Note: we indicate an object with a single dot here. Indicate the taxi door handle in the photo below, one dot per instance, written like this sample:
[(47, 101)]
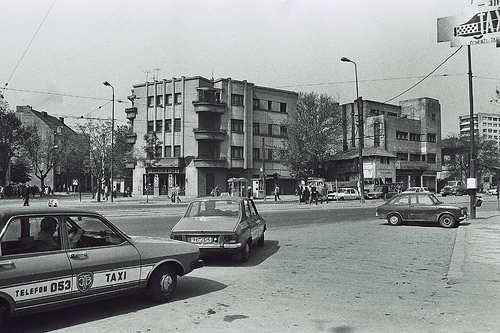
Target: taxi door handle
[(78, 255), (6, 263)]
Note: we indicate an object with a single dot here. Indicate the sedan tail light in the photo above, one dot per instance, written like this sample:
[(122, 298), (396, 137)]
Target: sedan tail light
[(231, 239)]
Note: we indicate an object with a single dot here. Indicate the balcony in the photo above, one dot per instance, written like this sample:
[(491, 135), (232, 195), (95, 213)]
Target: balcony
[(209, 106), (131, 112), (206, 134), (131, 138), (415, 165), (203, 162)]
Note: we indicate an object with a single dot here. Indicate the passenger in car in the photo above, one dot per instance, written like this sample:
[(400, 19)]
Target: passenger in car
[(44, 240)]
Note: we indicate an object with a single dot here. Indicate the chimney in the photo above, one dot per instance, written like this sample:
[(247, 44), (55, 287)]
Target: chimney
[(61, 119), (44, 114)]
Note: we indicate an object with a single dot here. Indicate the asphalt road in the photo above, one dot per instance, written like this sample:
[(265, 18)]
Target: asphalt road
[(326, 268)]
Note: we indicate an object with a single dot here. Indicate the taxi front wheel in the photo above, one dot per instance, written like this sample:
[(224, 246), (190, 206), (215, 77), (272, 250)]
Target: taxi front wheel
[(4, 310), (162, 284)]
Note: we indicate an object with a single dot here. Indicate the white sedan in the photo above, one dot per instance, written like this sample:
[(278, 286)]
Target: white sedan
[(344, 193)]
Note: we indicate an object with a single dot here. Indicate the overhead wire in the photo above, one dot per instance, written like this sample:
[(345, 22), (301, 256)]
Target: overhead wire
[(425, 77), (29, 44)]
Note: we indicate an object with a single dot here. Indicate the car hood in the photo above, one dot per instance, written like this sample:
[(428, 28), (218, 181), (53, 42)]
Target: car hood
[(206, 224), (151, 245)]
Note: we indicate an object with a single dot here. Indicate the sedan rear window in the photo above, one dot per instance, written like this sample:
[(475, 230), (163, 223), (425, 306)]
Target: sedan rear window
[(213, 208)]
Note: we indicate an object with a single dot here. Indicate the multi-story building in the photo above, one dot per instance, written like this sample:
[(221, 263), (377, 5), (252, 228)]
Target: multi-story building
[(209, 131), (401, 143), (486, 126), (51, 130)]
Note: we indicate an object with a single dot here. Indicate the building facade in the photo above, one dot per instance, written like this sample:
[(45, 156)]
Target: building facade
[(51, 131), (209, 132), (401, 143)]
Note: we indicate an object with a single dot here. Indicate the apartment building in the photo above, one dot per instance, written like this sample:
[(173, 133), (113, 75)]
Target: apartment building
[(401, 143), (209, 132), (486, 125), (51, 130)]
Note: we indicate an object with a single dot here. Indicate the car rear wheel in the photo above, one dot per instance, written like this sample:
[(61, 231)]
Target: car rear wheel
[(261, 241), (245, 252), (447, 221), (162, 284), (341, 198), (394, 219)]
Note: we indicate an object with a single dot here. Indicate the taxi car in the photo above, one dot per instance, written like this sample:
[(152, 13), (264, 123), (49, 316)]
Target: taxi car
[(223, 225), (51, 258), (344, 193), (420, 207)]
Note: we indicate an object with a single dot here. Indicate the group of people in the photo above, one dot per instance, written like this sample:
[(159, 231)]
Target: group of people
[(307, 195), (175, 195)]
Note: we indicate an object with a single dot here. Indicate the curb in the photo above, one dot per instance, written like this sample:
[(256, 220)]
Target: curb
[(455, 271)]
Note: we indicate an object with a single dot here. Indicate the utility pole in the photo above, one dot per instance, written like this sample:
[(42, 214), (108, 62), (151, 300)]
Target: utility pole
[(361, 144), (264, 168)]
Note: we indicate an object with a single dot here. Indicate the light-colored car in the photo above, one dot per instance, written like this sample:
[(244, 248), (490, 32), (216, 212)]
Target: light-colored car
[(222, 225), (417, 189), (50, 258), (344, 193), (492, 191), (421, 207)]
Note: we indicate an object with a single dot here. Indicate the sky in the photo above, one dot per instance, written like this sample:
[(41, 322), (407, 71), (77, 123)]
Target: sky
[(55, 55)]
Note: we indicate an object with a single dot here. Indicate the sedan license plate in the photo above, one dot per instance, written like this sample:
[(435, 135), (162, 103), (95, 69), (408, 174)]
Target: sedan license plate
[(201, 239)]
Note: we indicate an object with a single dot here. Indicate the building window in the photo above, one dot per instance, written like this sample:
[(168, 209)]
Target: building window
[(256, 128), (433, 116), (159, 125), (158, 151), (256, 154), (414, 136), (376, 134), (270, 105), (256, 104), (237, 125), (177, 151), (401, 135), (168, 151), (168, 125), (177, 98), (431, 137), (151, 100), (283, 131), (402, 156), (159, 100), (415, 157), (283, 107), (237, 100), (210, 96), (269, 155), (270, 129), (177, 124), (236, 152), (150, 126), (431, 158), (169, 99)]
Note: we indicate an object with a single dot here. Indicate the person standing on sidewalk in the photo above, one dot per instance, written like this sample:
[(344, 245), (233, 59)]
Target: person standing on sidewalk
[(277, 193), (26, 195)]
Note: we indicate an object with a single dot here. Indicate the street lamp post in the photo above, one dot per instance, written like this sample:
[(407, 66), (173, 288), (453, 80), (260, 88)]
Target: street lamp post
[(360, 132), (106, 83)]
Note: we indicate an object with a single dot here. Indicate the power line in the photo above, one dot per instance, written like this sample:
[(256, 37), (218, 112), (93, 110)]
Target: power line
[(369, 80), (29, 44), (425, 77)]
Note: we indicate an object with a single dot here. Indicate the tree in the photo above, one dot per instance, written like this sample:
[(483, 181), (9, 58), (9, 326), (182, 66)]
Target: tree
[(123, 152), (314, 131), (12, 134), (97, 138), (456, 152), (20, 171), (150, 149), (43, 151)]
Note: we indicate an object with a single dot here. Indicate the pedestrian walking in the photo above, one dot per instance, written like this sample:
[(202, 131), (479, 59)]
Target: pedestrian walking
[(26, 195), (277, 193), (249, 192), (314, 195), (177, 194)]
